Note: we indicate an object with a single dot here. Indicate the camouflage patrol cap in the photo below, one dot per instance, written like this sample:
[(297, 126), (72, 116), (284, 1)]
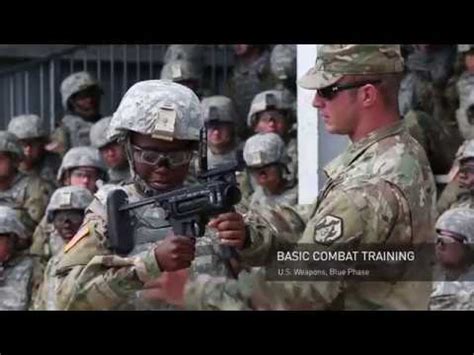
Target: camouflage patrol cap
[(263, 149), (180, 70), (458, 220), (81, 157), (9, 143), (283, 61), (190, 52), (75, 83), (463, 48), (160, 108), (98, 133), (10, 223), (69, 198), (336, 60), (27, 127), (270, 99), (218, 108)]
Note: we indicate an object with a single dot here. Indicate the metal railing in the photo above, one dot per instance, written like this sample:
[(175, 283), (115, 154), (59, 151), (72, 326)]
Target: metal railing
[(33, 87)]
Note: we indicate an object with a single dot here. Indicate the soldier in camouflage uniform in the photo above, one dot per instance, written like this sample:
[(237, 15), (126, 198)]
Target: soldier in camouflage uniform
[(380, 190), (460, 190), (112, 152), (251, 74), (81, 166), (159, 122), (422, 109), (183, 72), (222, 142), (65, 212), (33, 138), (274, 111), (266, 159), (465, 113), (15, 269), (29, 194), (80, 94), (461, 83), (283, 67), (454, 288)]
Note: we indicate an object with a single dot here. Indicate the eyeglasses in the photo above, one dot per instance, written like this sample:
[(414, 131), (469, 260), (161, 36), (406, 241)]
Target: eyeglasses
[(72, 216), (330, 92), (151, 157), (211, 125), (83, 174)]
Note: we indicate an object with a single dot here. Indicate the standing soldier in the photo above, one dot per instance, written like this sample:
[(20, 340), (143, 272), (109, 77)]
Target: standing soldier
[(15, 269), (80, 94), (283, 66), (251, 75), (455, 239), (66, 212), (33, 138), (160, 124), (380, 190), (112, 152)]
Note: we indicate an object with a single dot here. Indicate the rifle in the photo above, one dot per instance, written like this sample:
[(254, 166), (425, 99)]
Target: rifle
[(188, 209)]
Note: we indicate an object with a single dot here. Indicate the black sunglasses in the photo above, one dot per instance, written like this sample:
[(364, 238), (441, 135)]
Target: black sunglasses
[(330, 92)]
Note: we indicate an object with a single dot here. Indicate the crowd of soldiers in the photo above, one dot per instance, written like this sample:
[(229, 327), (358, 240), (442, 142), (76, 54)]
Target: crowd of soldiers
[(54, 248)]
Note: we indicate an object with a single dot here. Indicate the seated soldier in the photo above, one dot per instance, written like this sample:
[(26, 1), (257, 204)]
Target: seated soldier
[(222, 143), (273, 111), (33, 138), (454, 288), (29, 194), (266, 160), (81, 166), (112, 152), (66, 212), (15, 269), (460, 190)]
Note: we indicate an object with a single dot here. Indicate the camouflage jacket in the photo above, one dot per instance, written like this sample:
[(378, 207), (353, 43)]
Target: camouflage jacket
[(248, 80), (72, 132), (261, 199), (30, 194), (381, 190), (454, 295), (15, 284), (435, 137), (116, 176), (44, 299), (47, 169), (91, 277)]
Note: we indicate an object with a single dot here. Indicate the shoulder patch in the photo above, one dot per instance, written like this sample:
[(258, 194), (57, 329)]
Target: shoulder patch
[(83, 232), (328, 229)]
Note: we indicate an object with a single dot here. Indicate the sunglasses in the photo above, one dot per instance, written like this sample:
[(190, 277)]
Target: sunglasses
[(330, 92), (444, 239)]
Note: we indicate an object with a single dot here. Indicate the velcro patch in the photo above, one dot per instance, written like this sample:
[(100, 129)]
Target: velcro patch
[(328, 229), (83, 232)]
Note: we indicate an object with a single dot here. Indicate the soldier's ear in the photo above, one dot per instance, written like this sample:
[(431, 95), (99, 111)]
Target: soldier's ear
[(369, 95)]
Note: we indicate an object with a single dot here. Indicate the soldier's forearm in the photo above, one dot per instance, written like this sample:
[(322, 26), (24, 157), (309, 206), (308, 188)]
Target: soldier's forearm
[(106, 281)]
